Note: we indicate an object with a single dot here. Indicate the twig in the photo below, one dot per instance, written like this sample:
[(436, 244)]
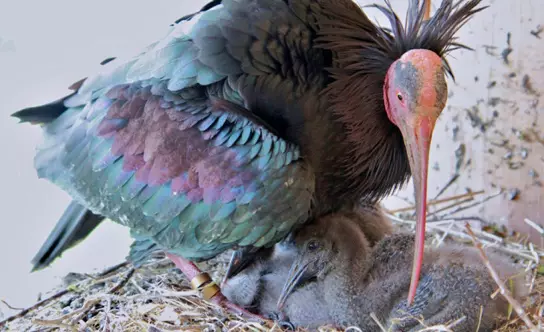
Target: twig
[(102, 276), (55, 323), (462, 208), (83, 311), (470, 194), (445, 328), (534, 225), (35, 306), (444, 235), (451, 206), (9, 306), (533, 278), (135, 284), (377, 321), (112, 269), (123, 281), (437, 226), (443, 200), (475, 218), (59, 321), (504, 291), (480, 318), (63, 292), (447, 185)]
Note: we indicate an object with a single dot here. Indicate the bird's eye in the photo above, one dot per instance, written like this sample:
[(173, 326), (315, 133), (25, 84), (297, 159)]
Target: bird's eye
[(313, 245), (399, 96)]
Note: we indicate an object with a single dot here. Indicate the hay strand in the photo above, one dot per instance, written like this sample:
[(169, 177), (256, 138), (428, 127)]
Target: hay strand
[(503, 289)]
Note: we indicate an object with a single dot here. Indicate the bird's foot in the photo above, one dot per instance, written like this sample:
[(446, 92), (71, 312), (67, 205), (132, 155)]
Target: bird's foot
[(222, 301), (209, 289)]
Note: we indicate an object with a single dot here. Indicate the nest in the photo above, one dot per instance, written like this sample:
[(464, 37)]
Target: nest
[(154, 297), (157, 297)]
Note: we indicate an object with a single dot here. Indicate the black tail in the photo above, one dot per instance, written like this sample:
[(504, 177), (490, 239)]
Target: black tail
[(73, 226), (46, 113), (206, 7), (43, 113)]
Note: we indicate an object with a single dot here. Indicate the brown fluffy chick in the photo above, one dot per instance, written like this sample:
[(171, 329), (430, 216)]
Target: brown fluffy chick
[(357, 281), (258, 286)]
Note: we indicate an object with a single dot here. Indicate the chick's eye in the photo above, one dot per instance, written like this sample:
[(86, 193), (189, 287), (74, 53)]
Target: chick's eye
[(399, 96), (313, 245)]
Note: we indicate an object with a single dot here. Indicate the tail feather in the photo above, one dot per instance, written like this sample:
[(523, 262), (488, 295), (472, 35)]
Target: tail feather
[(47, 113), (44, 113), (73, 226)]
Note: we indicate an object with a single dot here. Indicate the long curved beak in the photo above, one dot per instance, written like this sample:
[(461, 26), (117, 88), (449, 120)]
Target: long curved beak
[(417, 133), (241, 258), (297, 275), (234, 266)]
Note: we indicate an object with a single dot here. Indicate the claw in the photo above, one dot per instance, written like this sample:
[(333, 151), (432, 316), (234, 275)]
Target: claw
[(286, 325)]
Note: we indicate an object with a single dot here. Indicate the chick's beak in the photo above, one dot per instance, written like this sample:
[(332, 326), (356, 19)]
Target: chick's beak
[(236, 264), (242, 257), (297, 275)]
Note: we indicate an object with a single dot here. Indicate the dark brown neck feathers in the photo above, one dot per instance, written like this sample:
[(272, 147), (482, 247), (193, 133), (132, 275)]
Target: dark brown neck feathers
[(355, 150), (363, 156)]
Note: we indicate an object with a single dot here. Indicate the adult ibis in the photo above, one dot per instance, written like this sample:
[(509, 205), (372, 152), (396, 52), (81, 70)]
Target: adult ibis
[(250, 118)]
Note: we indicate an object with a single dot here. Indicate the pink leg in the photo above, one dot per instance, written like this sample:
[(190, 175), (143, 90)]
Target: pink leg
[(190, 270)]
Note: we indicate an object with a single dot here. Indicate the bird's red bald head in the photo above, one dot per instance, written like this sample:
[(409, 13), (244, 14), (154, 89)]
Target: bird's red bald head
[(415, 83), (415, 93)]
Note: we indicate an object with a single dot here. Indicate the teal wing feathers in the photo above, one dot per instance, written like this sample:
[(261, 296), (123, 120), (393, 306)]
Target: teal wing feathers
[(170, 144), (195, 176)]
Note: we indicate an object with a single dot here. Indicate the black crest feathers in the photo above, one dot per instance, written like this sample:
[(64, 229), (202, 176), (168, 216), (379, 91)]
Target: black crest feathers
[(345, 28)]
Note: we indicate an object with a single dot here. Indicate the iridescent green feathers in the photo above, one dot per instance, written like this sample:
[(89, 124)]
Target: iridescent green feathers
[(164, 144)]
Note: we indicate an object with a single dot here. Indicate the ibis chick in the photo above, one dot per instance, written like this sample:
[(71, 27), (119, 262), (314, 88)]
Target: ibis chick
[(357, 281), (258, 286), (370, 217)]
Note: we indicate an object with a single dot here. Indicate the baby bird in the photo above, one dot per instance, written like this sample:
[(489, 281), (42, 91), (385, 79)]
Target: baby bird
[(372, 222), (257, 285), (357, 281)]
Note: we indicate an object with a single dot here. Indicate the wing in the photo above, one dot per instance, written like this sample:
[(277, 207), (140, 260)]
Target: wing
[(165, 144), (253, 43), (196, 176)]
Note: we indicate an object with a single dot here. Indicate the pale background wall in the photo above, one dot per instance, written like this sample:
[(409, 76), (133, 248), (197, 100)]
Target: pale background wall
[(511, 111), (45, 46)]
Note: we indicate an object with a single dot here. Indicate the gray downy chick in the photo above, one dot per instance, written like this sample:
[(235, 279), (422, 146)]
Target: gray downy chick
[(255, 277), (372, 222), (357, 280), (242, 282), (258, 286), (244, 288), (455, 285)]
